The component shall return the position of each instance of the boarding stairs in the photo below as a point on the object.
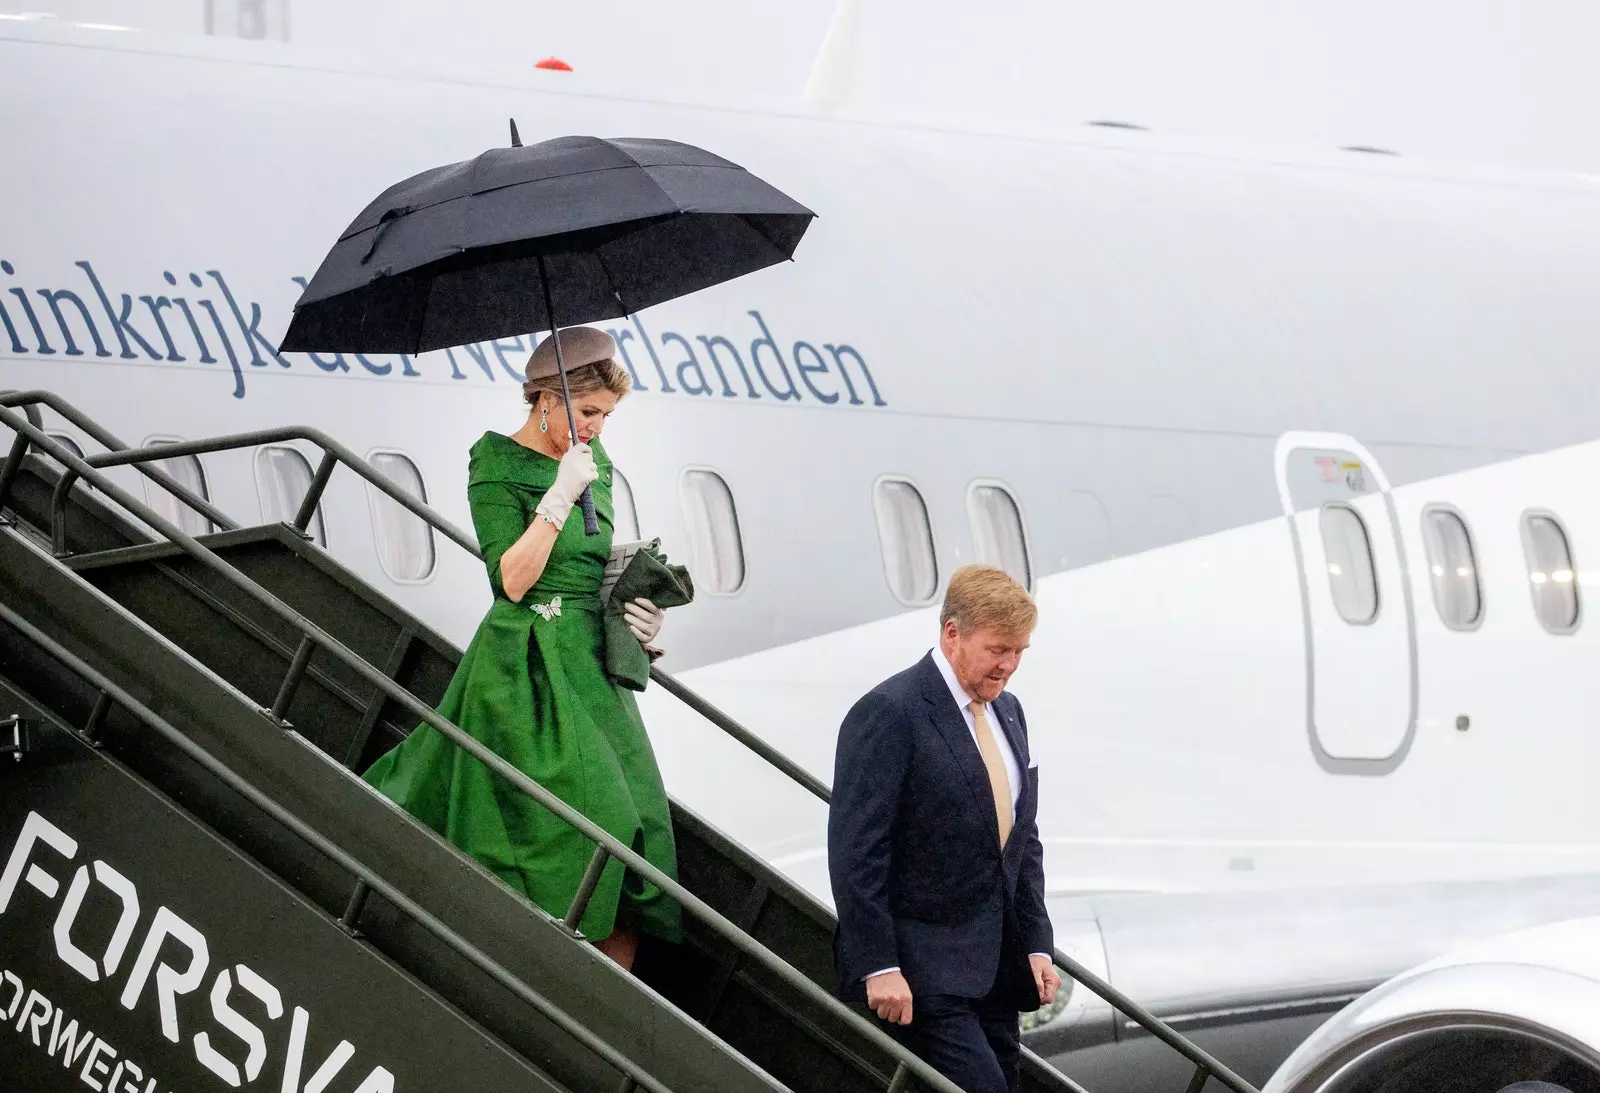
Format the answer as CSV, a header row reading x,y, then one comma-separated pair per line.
x,y
199,893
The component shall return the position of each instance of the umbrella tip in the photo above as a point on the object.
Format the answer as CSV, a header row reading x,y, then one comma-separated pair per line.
x,y
516,138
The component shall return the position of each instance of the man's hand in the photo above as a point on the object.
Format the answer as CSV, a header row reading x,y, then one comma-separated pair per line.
x,y
889,995
1044,977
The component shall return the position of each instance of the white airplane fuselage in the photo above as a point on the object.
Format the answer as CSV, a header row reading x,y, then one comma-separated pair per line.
x,y
1196,372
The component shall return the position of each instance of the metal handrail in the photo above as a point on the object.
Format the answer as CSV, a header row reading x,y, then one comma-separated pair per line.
x,y
29,401
908,1064
110,692
798,774
19,448
333,454
1205,1064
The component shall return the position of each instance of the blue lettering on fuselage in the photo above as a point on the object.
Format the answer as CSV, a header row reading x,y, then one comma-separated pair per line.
x,y
87,318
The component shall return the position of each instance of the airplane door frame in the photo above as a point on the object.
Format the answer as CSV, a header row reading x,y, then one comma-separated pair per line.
x,y
1399,572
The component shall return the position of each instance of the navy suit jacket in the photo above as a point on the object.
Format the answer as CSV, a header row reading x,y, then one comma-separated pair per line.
x,y
919,879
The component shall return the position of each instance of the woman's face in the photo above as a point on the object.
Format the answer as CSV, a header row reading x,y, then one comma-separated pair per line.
x,y
589,410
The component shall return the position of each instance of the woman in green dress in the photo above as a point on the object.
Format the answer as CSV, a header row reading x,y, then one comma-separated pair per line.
x,y
533,685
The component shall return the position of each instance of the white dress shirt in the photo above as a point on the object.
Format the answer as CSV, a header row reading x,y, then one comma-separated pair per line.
x,y
963,701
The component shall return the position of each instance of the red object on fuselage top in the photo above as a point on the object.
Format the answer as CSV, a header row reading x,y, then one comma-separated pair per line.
x,y
554,64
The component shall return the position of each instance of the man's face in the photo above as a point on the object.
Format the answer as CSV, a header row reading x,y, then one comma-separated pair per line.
x,y
983,659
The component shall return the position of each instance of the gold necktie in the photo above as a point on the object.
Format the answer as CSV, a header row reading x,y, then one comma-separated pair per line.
x,y
998,782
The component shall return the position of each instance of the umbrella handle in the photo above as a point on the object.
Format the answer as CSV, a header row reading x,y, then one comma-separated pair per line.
x,y
591,522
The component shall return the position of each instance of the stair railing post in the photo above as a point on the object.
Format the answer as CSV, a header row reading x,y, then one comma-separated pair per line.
x,y
19,450
586,888
97,717
357,904
16,737
313,497
291,682
13,464
58,513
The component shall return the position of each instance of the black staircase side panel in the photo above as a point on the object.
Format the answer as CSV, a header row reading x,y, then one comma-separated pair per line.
x,y
630,1017
135,944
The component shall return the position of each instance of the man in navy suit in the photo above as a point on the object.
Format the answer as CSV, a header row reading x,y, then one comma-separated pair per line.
x,y
933,848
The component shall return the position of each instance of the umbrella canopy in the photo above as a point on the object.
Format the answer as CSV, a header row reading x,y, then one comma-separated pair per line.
x,y
587,228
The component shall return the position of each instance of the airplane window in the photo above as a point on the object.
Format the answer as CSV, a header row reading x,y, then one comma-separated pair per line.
x,y
1453,568
997,531
283,477
1351,577
188,472
259,19
1550,572
66,442
625,520
907,539
404,540
718,551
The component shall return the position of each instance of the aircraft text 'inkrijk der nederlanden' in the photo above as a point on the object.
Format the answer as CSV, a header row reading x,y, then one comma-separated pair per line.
x,y
198,318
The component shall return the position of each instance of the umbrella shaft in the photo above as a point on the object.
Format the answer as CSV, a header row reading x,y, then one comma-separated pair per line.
x,y
591,523
566,395
561,364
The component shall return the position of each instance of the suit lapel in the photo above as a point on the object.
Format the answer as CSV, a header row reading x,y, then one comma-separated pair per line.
x,y
1005,710
952,726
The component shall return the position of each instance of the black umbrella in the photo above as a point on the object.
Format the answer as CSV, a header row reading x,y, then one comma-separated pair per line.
x,y
578,227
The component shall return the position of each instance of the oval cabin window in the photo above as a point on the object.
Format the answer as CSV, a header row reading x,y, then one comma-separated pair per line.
x,y
188,473
906,536
1551,574
283,478
1452,569
717,549
66,442
997,531
1352,580
403,539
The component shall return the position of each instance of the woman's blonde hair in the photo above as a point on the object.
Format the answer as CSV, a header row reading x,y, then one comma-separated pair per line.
x,y
981,597
606,375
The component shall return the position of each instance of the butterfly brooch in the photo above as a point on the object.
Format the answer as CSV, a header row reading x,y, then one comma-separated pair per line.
x,y
548,611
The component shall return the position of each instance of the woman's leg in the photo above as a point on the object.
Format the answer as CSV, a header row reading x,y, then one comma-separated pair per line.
x,y
622,946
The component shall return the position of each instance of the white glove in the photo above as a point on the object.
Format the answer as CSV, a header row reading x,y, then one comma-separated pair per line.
x,y
644,619
577,470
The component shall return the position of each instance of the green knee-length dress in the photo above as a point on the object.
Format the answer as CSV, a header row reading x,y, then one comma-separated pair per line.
x,y
533,687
